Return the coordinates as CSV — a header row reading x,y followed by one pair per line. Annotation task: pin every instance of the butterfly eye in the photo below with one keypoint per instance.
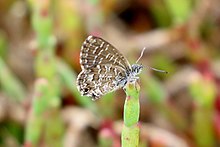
x,y
86,90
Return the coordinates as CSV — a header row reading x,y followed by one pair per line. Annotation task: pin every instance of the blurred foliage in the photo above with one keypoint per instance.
x,y
11,130
179,10
3,45
10,84
182,37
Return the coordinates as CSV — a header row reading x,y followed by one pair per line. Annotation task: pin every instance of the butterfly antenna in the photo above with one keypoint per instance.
x,y
142,53
158,70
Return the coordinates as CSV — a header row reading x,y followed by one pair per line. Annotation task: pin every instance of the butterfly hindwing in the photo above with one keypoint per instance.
x,y
100,80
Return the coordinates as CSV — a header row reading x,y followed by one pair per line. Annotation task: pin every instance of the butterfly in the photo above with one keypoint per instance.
x,y
104,68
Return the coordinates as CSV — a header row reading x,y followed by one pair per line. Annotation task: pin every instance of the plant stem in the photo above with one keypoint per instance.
x,y
131,129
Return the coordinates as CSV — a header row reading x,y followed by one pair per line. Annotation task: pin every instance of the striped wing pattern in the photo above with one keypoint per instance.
x,y
103,68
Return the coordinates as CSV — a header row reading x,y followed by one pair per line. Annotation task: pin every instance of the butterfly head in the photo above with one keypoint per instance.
x,y
136,68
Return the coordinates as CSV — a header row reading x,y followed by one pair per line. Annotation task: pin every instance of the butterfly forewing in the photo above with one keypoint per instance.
x,y
103,67
96,51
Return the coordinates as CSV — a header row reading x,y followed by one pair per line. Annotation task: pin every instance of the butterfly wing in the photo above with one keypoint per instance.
x,y
103,68
96,51
100,80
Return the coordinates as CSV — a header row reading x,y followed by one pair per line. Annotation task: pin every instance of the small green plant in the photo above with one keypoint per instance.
x,y
131,129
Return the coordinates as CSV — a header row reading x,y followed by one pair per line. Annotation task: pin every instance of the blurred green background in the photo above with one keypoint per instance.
x,y
40,42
